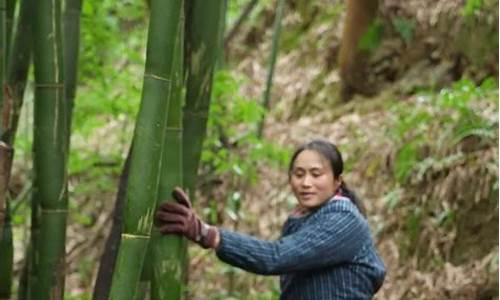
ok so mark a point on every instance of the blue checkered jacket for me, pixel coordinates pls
(327, 254)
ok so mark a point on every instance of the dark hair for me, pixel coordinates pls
(332, 154)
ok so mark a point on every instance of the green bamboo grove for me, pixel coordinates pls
(182, 49)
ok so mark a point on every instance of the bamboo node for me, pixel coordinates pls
(196, 114)
(146, 75)
(134, 236)
(175, 129)
(49, 85)
(54, 211)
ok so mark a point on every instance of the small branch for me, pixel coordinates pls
(237, 25)
(274, 52)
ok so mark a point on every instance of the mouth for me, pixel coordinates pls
(306, 195)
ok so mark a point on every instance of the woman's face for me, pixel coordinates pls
(312, 179)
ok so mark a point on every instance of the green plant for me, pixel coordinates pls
(447, 118)
(232, 145)
(471, 6)
(405, 28)
(232, 149)
(372, 38)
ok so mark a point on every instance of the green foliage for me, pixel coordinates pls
(393, 198)
(233, 206)
(471, 6)
(232, 149)
(372, 38)
(109, 89)
(414, 224)
(232, 145)
(405, 28)
(79, 297)
(462, 111)
(446, 217)
(110, 67)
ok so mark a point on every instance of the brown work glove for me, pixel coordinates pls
(179, 218)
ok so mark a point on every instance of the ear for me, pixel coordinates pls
(338, 182)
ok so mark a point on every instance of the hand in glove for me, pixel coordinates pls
(179, 218)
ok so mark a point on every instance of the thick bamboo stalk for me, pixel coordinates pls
(18, 66)
(168, 252)
(202, 45)
(144, 177)
(274, 52)
(50, 152)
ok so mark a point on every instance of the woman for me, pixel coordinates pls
(326, 250)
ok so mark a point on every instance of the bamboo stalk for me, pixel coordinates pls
(142, 189)
(18, 66)
(17, 73)
(50, 148)
(222, 29)
(8, 128)
(202, 44)
(167, 252)
(4, 107)
(10, 7)
(6, 249)
(71, 40)
(6, 154)
(6, 258)
(272, 62)
(108, 259)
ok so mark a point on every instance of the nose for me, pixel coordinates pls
(306, 182)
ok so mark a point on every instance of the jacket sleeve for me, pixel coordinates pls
(330, 238)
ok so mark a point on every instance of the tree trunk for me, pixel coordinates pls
(352, 60)
(142, 190)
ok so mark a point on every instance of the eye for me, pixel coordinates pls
(298, 173)
(316, 173)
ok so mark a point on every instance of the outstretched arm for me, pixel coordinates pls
(332, 238)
